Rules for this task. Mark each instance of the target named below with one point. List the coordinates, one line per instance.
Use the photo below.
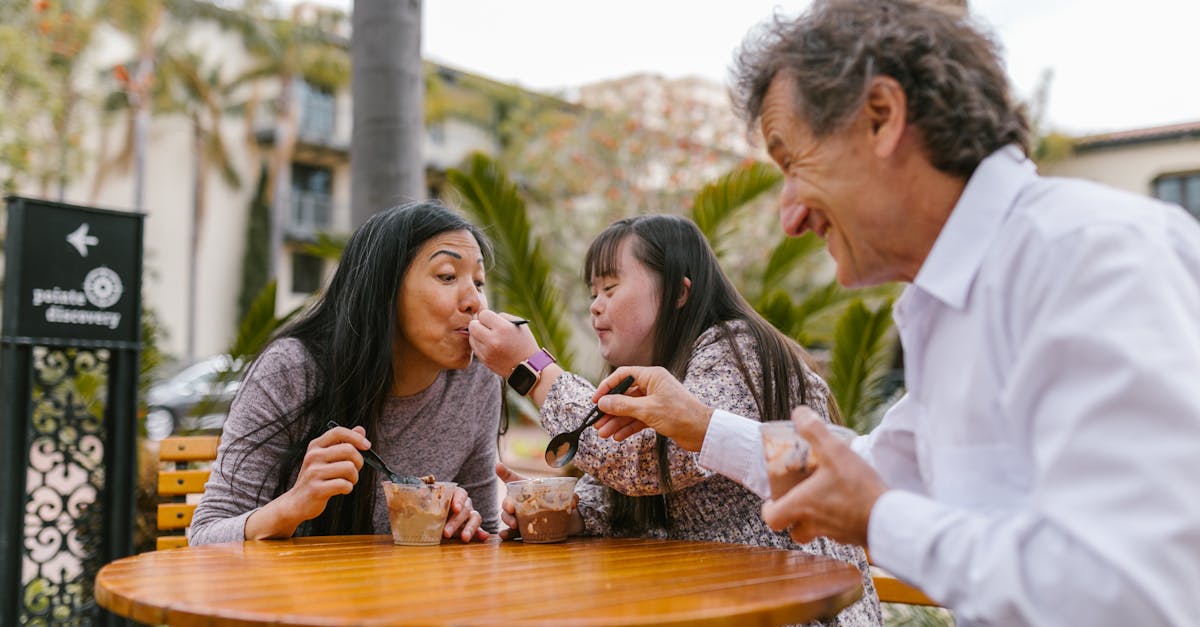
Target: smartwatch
(527, 373)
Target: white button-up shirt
(1045, 461)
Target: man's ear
(886, 109)
(683, 294)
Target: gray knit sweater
(447, 430)
(703, 505)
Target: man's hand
(836, 499)
(656, 400)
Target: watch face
(522, 379)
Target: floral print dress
(703, 505)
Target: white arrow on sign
(81, 240)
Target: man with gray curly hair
(1042, 467)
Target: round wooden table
(366, 580)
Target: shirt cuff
(899, 530)
(733, 447)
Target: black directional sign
(72, 272)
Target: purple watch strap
(540, 360)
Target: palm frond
(785, 255)
(522, 284)
(859, 359)
(720, 200)
(259, 323)
(328, 246)
(813, 303)
(794, 318)
(777, 307)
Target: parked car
(196, 398)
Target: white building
(319, 196)
(1162, 161)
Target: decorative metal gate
(69, 386)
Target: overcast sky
(1117, 64)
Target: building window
(312, 193)
(307, 273)
(1181, 189)
(317, 109)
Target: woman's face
(441, 292)
(624, 308)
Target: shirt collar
(957, 254)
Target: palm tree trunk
(388, 89)
(280, 175)
(199, 174)
(140, 102)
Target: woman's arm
(330, 467)
(261, 427)
(254, 439)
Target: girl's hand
(498, 343)
(508, 509)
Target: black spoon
(562, 447)
(373, 460)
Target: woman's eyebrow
(446, 252)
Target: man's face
(832, 187)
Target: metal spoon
(562, 447)
(375, 461)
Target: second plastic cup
(789, 457)
(544, 507)
(418, 512)
(786, 453)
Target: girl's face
(442, 290)
(624, 309)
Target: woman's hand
(463, 521)
(508, 509)
(330, 467)
(499, 343)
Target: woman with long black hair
(383, 353)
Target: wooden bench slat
(182, 482)
(176, 482)
(175, 515)
(188, 448)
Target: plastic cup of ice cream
(544, 507)
(786, 453)
(789, 457)
(417, 513)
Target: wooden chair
(892, 590)
(179, 480)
